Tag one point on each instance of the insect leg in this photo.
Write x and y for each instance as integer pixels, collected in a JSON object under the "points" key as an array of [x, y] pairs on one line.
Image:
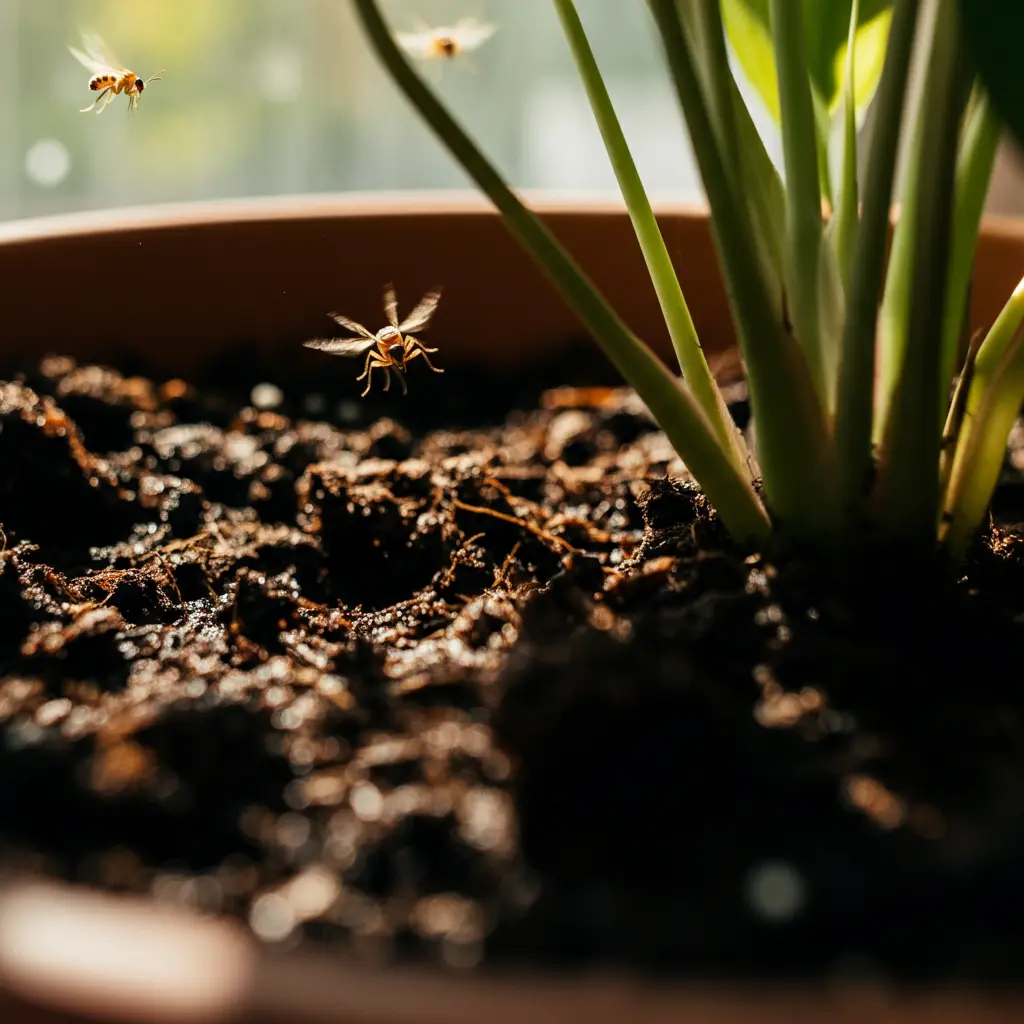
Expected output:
{"points": [[366, 365], [421, 351], [375, 361], [369, 378], [92, 106], [415, 343], [387, 378], [401, 379]]}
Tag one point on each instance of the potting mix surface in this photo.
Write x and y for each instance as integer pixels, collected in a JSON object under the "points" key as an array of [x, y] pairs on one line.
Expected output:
{"points": [[474, 677]]}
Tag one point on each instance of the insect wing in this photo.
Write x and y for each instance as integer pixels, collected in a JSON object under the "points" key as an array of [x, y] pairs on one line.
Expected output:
{"points": [[98, 50], [352, 325], [418, 319], [391, 305], [470, 33], [341, 346], [97, 67], [417, 44]]}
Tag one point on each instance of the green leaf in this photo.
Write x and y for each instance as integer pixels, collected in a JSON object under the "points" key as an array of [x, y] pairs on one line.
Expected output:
{"points": [[993, 403], [826, 31], [993, 30], [842, 229]]}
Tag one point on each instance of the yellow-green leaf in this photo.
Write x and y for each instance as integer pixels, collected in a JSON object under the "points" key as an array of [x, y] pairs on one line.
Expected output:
{"points": [[826, 24]]}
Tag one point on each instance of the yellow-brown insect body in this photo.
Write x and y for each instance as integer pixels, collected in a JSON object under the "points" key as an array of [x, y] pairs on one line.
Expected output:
{"points": [[446, 46], [447, 42], [391, 348], [127, 82], [98, 82], [109, 77]]}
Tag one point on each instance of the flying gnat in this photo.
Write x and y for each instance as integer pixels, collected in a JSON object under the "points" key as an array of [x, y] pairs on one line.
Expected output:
{"points": [[445, 42], [393, 347], [109, 77]]}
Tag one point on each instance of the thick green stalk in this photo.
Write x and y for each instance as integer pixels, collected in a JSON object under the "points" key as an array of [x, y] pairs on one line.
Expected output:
{"points": [[756, 181], [764, 189], [659, 264], [908, 488], [703, 20], [975, 161], [842, 229], [822, 135], [803, 190], [857, 368], [993, 403], [895, 320], [794, 448], [686, 427], [955, 418]]}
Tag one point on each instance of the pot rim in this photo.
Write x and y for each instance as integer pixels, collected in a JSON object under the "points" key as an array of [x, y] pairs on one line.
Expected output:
{"points": [[384, 203], [317, 205]]}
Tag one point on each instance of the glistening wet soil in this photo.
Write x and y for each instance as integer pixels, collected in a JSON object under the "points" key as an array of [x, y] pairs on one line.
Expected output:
{"points": [[475, 677]]}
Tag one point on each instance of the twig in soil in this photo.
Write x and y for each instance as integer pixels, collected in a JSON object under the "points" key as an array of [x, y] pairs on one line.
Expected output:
{"points": [[537, 531], [171, 577], [501, 575], [594, 533], [506, 492], [515, 502]]}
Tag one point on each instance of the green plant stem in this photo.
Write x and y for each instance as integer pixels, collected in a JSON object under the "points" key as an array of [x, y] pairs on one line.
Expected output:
{"points": [[845, 222], [707, 40], [803, 189], [955, 420], [994, 399], [895, 320], [975, 160], [756, 182], [659, 264], [764, 189], [686, 427], [908, 489], [857, 366], [794, 449]]}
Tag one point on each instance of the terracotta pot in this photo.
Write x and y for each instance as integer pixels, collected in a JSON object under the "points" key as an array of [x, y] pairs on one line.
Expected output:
{"points": [[180, 284]]}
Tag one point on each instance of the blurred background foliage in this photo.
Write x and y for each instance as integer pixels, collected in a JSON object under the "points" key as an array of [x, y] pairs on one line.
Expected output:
{"points": [[264, 97], [267, 97]]}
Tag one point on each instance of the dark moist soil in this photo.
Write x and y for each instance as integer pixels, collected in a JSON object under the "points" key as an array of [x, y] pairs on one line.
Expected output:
{"points": [[474, 677]]}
